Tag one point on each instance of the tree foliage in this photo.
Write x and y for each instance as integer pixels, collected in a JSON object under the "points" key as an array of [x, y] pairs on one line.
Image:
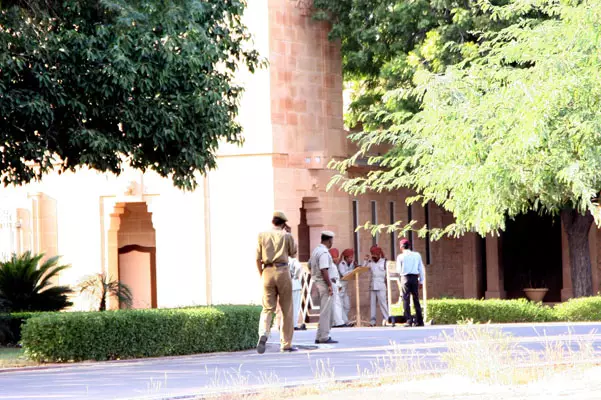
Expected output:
{"points": [[516, 128], [26, 284], [103, 83], [388, 44]]}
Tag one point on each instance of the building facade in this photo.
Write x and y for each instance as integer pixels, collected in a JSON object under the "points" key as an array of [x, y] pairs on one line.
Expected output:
{"points": [[179, 248]]}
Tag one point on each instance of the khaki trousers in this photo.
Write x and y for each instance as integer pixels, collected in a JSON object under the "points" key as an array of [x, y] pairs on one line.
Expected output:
{"points": [[277, 290], [326, 303]]}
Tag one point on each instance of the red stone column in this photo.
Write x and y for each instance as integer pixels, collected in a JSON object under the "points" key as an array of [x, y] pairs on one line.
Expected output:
{"points": [[494, 270]]}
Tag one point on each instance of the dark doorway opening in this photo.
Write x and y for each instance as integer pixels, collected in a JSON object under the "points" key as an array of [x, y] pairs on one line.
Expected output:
{"points": [[531, 255], [304, 245]]}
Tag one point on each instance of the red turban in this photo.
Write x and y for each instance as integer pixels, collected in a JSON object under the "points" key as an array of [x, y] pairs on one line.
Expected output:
{"points": [[376, 251], [348, 253], [334, 253]]}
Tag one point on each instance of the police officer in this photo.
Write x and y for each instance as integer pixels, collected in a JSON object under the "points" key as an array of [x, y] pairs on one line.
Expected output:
{"points": [[274, 249], [320, 263]]}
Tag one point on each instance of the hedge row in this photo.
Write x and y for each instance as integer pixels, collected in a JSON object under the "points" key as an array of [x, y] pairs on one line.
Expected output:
{"points": [[10, 327], [110, 335], [452, 311]]}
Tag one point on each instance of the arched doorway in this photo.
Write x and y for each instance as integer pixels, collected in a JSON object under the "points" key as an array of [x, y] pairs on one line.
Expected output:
{"points": [[137, 269], [136, 240]]}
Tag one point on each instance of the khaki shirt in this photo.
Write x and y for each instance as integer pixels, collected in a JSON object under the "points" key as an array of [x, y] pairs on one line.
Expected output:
{"points": [[275, 247], [320, 259]]}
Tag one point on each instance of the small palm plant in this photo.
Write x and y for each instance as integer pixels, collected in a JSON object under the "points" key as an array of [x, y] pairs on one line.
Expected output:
{"points": [[101, 286], [26, 285]]}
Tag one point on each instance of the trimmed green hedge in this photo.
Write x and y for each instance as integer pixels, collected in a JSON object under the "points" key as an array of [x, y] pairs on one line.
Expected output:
{"points": [[10, 326], [581, 309], [452, 311], [123, 334]]}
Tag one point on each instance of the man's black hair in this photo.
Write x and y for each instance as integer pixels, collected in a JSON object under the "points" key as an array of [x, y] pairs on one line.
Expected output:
{"points": [[278, 221], [325, 237], [406, 246]]}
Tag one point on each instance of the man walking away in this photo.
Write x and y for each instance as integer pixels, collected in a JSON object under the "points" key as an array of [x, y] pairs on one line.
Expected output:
{"points": [[411, 269], [320, 263], [276, 246], [377, 286]]}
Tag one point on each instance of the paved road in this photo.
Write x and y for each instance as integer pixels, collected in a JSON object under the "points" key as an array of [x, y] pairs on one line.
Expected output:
{"points": [[182, 377]]}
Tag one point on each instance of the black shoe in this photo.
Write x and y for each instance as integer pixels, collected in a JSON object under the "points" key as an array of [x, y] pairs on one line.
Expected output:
{"points": [[303, 327], [289, 350], [297, 329], [339, 326], [329, 341], [261, 344]]}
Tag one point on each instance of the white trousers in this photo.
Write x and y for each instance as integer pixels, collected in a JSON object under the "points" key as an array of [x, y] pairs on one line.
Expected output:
{"points": [[378, 296], [337, 316], [296, 306], [345, 301]]}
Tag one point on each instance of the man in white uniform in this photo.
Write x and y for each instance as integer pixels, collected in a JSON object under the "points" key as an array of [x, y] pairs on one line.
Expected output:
{"points": [[337, 320], [377, 286], [296, 272], [320, 263], [345, 267]]}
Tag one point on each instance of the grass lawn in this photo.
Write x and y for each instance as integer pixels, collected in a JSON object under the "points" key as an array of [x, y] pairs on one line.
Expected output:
{"points": [[11, 357]]}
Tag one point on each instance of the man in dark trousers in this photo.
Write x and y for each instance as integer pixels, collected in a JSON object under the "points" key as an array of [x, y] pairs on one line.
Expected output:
{"points": [[410, 267], [274, 249]]}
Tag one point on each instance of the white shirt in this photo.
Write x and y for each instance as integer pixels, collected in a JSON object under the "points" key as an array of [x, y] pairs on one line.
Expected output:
{"points": [[344, 270], [378, 274], [410, 263], [295, 273]]}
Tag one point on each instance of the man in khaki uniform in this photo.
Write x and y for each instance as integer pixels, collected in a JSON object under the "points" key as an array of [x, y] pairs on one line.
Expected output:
{"points": [[273, 251], [320, 263]]}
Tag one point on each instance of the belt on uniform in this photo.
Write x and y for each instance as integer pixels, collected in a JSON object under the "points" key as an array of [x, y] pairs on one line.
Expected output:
{"points": [[275, 265], [410, 275]]}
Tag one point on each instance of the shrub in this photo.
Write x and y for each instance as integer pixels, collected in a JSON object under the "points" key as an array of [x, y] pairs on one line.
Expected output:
{"points": [[26, 284], [62, 337], [581, 309], [451, 311], [10, 327]]}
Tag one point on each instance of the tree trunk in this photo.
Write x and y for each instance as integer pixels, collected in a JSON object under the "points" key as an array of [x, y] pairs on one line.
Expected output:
{"points": [[103, 299], [577, 227]]}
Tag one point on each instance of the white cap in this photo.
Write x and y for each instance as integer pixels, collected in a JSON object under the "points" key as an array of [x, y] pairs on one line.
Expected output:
{"points": [[328, 234]]}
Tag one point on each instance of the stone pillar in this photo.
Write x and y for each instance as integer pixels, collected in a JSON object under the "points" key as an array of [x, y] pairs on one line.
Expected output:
{"points": [[566, 276], [495, 285], [472, 266]]}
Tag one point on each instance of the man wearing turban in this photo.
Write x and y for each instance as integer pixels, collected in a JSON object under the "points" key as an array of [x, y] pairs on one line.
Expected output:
{"points": [[337, 320], [411, 269], [377, 286], [345, 267]]}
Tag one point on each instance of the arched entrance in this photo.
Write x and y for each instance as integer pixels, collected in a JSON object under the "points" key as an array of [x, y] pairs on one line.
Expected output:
{"points": [[138, 270], [132, 252]]}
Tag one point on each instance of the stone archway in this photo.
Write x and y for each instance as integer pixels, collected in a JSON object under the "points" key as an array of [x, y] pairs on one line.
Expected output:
{"points": [[131, 244]]}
